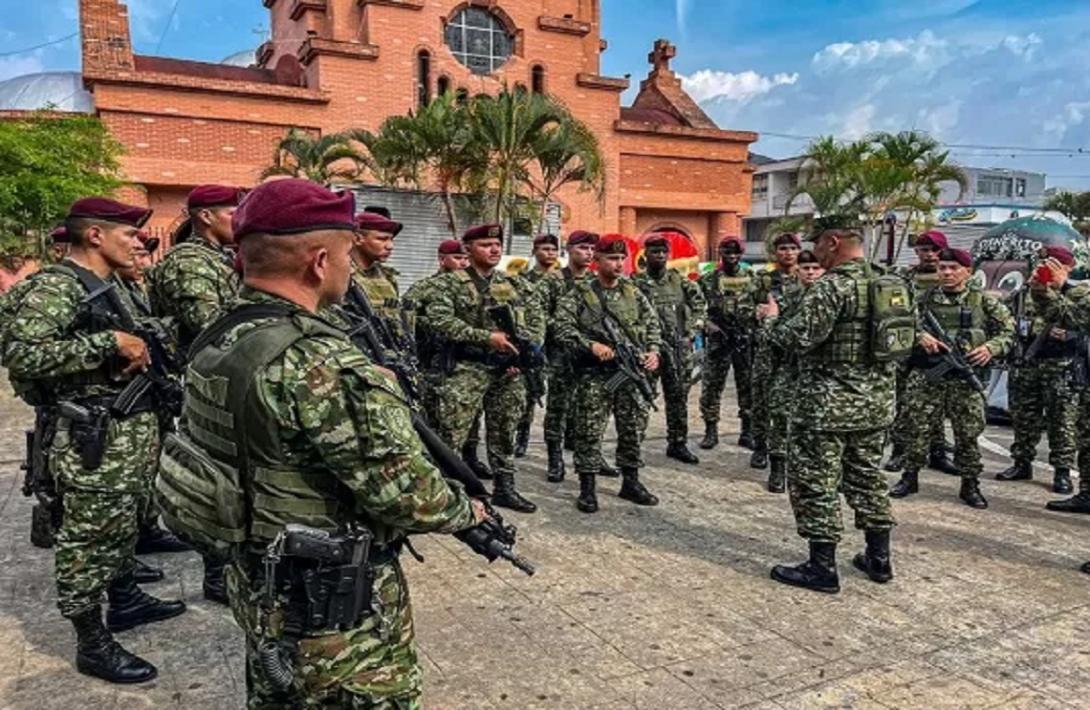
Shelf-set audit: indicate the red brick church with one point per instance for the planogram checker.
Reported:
(337, 64)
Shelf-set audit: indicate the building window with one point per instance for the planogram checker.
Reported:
(537, 79)
(1020, 187)
(442, 86)
(993, 186)
(760, 187)
(423, 77)
(479, 40)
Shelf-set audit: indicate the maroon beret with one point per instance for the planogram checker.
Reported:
(484, 231)
(59, 235)
(657, 239)
(293, 206)
(546, 239)
(448, 247)
(959, 255)
(611, 244)
(934, 238)
(581, 236)
(109, 211)
(1061, 254)
(204, 196)
(787, 238)
(375, 222)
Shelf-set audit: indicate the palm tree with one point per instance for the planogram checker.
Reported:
(829, 176)
(566, 153)
(1073, 205)
(334, 157)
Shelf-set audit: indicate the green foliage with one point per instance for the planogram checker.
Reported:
(334, 157)
(1073, 205)
(47, 162)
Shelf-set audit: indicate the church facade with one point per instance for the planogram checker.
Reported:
(332, 65)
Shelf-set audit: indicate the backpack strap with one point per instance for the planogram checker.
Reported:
(243, 314)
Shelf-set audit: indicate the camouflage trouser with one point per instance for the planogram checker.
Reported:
(97, 537)
(760, 383)
(592, 407)
(561, 395)
(717, 363)
(469, 390)
(1041, 397)
(825, 464)
(780, 396)
(955, 400)
(148, 511)
(675, 394)
(374, 665)
(1083, 436)
(898, 433)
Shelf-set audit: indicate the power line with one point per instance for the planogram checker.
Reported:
(50, 43)
(166, 28)
(1009, 150)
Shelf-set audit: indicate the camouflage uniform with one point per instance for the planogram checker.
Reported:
(839, 428)
(730, 318)
(532, 279)
(764, 284)
(379, 284)
(53, 355)
(558, 407)
(955, 399)
(478, 381)
(193, 283)
(681, 309)
(785, 376)
(337, 419)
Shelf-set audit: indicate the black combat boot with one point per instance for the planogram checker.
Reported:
(98, 655)
(522, 440)
(154, 539)
(896, 459)
(1078, 503)
(469, 456)
(909, 484)
(818, 573)
(680, 452)
(588, 500)
(131, 606)
(145, 573)
(970, 494)
(504, 495)
(555, 473)
(939, 459)
(777, 477)
(745, 438)
(759, 458)
(214, 585)
(875, 561)
(711, 435)
(1019, 471)
(605, 470)
(634, 491)
(1061, 481)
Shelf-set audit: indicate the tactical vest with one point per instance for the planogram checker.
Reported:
(667, 296)
(880, 328)
(625, 309)
(727, 295)
(222, 480)
(925, 280)
(964, 322)
(495, 292)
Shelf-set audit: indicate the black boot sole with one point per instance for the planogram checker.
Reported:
(1077, 510)
(144, 578)
(555, 479)
(118, 626)
(645, 502)
(898, 494)
(589, 509)
(977, 505)
(693, 461)
(91, 672)
(860, 563)
(516, 506)
(708, 445)
(776, 488)
(813, 588)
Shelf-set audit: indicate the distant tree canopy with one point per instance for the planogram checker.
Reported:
(1073, 205)
(47, 162)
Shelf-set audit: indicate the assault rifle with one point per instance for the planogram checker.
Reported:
(674, 342)
(531, 358)
(491, 539)
(952, 361)
(626, 358)
(38, 481)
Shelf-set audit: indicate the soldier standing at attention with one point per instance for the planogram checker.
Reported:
(484, 376)
(922, 276)
(546, 256)
(839, 428)
(785, 376)
(56, 355)
(1041, 391)
(728, 331)
(983, 329)
(374, 282)
(681, 309)
(783, 277)
(326, 443)
(581, 327)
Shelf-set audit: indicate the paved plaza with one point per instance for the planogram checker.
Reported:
(668, 607)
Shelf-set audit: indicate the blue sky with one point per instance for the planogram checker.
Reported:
(1010, 73)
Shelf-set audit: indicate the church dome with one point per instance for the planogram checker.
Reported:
(245, 58)
(61, 90)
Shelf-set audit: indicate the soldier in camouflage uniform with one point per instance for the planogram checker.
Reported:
(191, 286)
(839, 428)
(681, 309)
(1057, 303)
(1041, 391)
(483, 375)
(580, 328)
(376, 283)
(56, 352)
(782, 278)
(984, 329)
(335, 436)
(785, 376)
(922, 276)
(728, 334)
(546, 255)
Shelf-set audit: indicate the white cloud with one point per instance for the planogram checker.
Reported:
(1024, 46)
(923, 49)
(708, 84)
(19, 65)
(858, 122)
